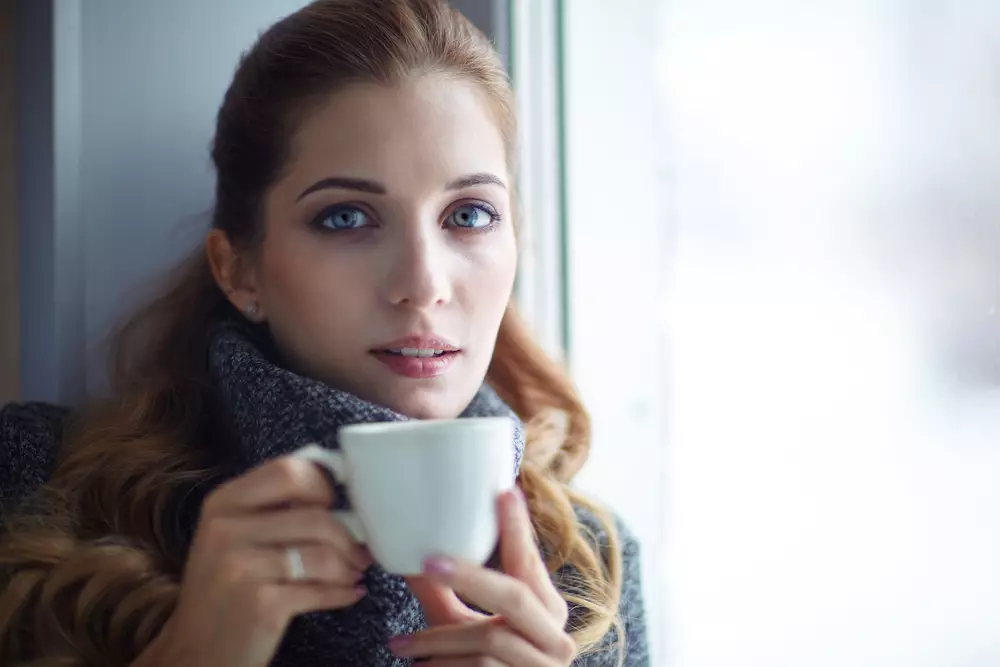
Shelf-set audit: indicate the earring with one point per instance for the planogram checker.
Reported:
(251, 310)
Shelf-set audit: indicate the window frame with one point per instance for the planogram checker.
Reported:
(535, 64)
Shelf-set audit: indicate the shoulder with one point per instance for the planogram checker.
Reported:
(30, 434)
(598, 527)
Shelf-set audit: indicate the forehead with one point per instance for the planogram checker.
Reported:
(423, 131)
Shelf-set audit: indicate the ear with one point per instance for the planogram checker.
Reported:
(233, 275)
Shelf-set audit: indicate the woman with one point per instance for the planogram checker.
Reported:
(359, 268)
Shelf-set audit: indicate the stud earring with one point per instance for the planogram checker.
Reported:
(252, 309)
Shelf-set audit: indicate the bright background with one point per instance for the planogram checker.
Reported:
(783, 223)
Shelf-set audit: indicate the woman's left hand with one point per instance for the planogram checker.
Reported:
(527, 629)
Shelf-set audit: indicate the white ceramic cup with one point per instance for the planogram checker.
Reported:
(422, 488)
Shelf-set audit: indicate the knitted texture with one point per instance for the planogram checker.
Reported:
(273, 411)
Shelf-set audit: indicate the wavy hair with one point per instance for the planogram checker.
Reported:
(91, 570)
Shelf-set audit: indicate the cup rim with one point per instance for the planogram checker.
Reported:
(373, 428)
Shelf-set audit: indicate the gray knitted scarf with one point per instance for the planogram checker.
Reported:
(274, 412)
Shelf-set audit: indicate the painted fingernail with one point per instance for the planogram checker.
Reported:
(440, 565)
(365, 558)
(400, 644)
(360, 591)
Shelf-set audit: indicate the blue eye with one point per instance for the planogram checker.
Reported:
(342, 217)
(473, 216)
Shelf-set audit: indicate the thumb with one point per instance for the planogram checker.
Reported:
(441, 605)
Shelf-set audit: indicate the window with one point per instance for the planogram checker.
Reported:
(782, 247)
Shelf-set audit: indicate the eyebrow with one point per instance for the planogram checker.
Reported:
(476, 179)
(340, 183)
(376, 188)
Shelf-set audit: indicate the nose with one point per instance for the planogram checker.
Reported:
(419, 273)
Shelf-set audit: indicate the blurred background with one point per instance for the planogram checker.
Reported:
(764, 235)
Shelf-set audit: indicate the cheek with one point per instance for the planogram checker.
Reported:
(491, 281)
(302, 284)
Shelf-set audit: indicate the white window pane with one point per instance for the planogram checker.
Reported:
(797, 207)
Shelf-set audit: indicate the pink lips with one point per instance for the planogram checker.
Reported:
(418, 357)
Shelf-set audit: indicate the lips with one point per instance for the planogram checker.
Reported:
(418, 357)
(418, 342)
(422, 353)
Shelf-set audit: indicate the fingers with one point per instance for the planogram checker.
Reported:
(463, 662)
(274, 605)
(237, 590)
(502, 595)
(299, 526)
(284, 481)
(282, 527)
(440, 604)
(491, 639)
(520, 555)
(320, 564)
(524, 596)
(306, 598)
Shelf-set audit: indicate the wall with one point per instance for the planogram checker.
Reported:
(115, 173)
(10, 376)
(147, 122)
(116, 104)
(490, 16)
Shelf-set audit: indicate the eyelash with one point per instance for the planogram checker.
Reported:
(328, 212)
(495, 217)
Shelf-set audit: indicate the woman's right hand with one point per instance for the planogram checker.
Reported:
(239, 589)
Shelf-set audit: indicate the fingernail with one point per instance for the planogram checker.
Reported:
(521, 498)
(369, 556)
(360, 591)
(439, 565)
(365, 558)
(360, 578)
(400, 644)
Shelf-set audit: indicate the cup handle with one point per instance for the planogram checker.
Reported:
(334, 463)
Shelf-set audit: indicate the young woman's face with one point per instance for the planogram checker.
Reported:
(389, 253)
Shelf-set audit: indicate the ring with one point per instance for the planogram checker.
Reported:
(296, 568)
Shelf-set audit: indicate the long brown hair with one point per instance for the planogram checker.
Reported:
(92, 571)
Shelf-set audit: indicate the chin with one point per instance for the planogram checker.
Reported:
(419, 407)
(429, 402)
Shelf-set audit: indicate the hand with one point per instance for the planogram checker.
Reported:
(242, 582)
(530, 614)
